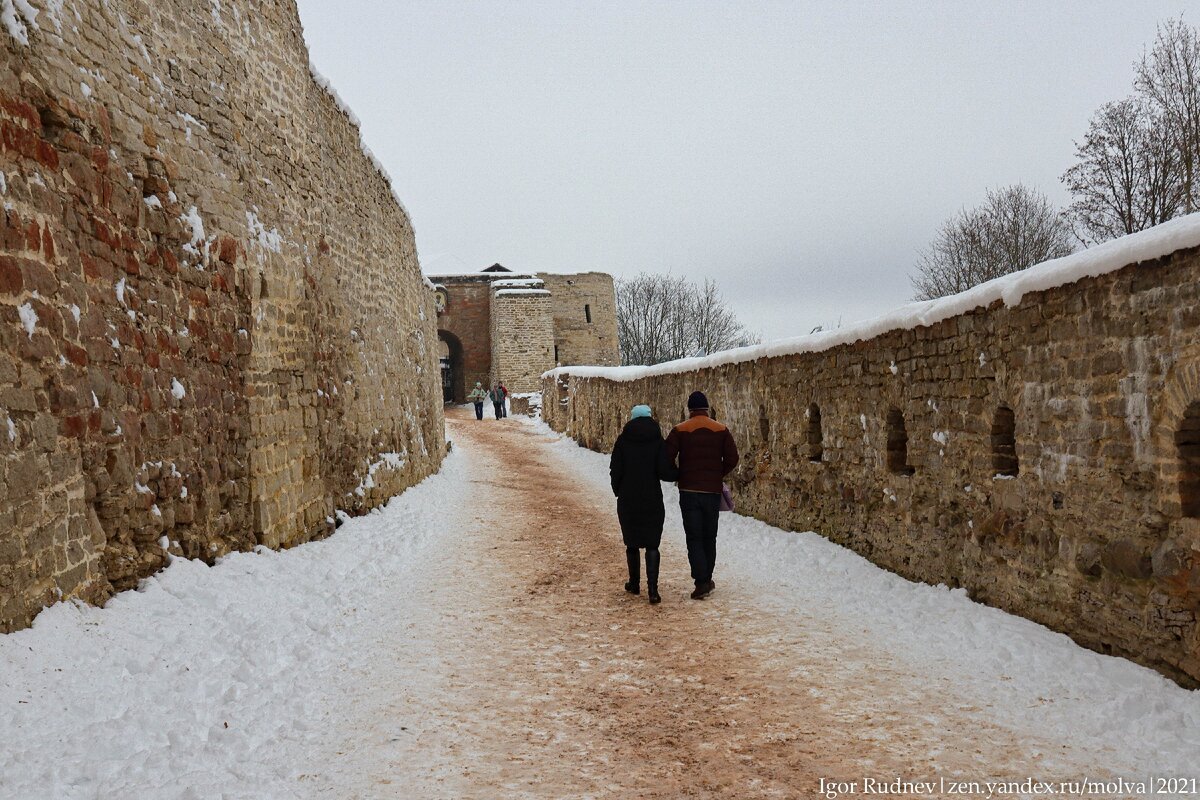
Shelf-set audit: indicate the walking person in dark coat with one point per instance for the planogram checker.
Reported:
(496, 394)
(706, 453)
(637, 465)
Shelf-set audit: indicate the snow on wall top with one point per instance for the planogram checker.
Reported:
(1178, 234)
(341, 104)
(504, 292)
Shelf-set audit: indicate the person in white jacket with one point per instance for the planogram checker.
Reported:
(477, 396)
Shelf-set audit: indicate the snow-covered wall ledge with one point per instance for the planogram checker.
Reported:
(208, 296)
(1035, 440)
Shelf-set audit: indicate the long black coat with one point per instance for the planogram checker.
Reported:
(637, 465)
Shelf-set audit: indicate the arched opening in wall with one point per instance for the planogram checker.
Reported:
(451, 358)
(1004, 442)
(816, 446)
(764, 424)
(587, 313)
(897, 444)
(1187, 439)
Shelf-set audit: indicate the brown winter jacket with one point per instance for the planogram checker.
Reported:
(705, 451)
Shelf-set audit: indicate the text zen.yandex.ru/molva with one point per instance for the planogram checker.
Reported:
(1027, 787)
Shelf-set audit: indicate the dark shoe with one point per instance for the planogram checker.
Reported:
(654, 596)
(633, 588)
(701, 592)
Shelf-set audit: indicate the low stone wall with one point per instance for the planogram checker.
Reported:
(1041, 455)
(213, 329)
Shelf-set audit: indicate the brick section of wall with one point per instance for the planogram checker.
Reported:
(1089, 538)
(213, 329)
(468, 318)
(579, 341)
(522, 332)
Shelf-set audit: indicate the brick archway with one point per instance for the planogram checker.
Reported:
(453, 381)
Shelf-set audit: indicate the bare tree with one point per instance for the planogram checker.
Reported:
(1016, 227)
(1128, 176)
(1169, 75)
(663, 317)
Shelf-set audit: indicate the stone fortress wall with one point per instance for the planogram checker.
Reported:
(512, 327)
(214, 333)
(585, 318)
(522, 336)
(1044, 454)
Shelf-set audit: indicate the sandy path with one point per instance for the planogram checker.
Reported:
(528, 672)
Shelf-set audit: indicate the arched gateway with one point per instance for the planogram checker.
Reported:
(451, 356)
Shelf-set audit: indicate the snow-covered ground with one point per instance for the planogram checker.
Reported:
(255, 677)
(208, 682)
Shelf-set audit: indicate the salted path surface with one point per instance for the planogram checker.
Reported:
(542, 678)
(472, 640)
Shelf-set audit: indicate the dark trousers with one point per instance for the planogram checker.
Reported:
(700, 512)
(479, 410)
(499, 408)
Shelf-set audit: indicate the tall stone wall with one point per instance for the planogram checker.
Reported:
(585, 318)
(898, 447)
(522, 333)
(213, 329)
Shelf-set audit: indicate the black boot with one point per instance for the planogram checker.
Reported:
(652, 558)
(635, 563)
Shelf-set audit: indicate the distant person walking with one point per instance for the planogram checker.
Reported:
(497, 397)
(504, 402)
(638, 464)
(706, 453)
(477, 396)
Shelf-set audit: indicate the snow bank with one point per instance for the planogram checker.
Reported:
(215, 681)
(1027, 676)
(1178, 234)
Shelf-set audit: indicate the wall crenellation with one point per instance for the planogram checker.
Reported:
(1041, 455)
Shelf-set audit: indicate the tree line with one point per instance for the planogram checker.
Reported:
(1134, 168)
(665, 317)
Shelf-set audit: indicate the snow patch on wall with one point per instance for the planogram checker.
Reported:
(392, 461)
(18, 17)
(29, 318)
(192, 220)
(260, 235)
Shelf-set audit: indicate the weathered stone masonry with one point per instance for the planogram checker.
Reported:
(213, 329)
(898, 447)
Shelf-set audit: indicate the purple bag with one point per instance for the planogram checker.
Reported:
(726, 498)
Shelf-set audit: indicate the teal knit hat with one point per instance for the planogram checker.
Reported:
(639, 411)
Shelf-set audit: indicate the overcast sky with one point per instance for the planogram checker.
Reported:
(799, 153)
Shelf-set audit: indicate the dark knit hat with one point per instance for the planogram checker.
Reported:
(697, 400)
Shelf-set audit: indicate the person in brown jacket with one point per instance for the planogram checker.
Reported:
(706, 453)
